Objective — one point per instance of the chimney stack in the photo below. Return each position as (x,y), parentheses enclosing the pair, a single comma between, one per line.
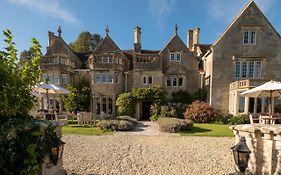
(137,39)
(51,36)
(193,38)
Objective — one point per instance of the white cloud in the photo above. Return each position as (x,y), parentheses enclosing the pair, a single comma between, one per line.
(160,10)
(226,11)
(50,8)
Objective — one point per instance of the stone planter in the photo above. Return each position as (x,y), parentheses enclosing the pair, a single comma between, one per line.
(264,141)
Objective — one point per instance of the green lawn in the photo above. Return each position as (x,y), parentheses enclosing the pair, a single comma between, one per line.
(83,130)
(211,130)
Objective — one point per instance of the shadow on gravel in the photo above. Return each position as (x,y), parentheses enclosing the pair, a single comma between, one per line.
(139,127)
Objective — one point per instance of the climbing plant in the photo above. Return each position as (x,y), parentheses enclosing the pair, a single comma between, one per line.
(126,102)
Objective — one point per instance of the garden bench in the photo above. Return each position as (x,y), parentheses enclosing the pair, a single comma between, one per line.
(86,118)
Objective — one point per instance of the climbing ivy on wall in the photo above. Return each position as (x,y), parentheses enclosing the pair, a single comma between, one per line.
(126,102)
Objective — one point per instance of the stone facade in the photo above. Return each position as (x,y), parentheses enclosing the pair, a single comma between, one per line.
(244,56)
(112,71)
(247,54)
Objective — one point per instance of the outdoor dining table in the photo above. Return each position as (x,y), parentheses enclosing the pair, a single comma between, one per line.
(268,119)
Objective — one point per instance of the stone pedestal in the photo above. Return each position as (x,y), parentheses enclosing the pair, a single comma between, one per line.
(47,166)
(264,141)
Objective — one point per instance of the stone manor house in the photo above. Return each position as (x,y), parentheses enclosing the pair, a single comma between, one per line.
(247,54)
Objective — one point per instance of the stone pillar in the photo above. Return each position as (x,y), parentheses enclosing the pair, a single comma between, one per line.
(273,105)
(100,105)
(262,104)
(113,105)
(107,105)
(255,105)
(246,106)
(236,110)
(94,105)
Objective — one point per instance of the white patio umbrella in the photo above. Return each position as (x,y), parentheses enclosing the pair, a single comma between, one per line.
(50,89)
(269,89)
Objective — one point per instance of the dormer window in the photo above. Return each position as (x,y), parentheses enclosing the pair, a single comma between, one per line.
(175,56)
(249,37)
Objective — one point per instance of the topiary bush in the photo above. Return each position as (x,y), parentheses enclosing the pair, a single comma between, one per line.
(174,125)
(201,112)
(115,125)
(128,118)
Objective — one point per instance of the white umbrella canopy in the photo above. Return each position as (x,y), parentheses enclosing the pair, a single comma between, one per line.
(47,88)
(268,89)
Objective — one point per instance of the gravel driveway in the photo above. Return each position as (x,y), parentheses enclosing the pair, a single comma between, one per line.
(133,154)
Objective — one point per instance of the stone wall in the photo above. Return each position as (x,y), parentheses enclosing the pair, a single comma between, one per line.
(264,141)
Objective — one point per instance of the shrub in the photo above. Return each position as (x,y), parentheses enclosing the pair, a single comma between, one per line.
(126,102)
(201,112)
(238,120)
(174,125)
(128,118)
(161,111)
(116,125)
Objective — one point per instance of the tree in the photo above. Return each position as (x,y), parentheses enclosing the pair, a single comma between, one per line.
(79,98)
(26,56)
(16,81)
(86,42)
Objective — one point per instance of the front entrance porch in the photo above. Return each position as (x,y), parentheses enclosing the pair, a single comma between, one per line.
(143,110)
(244,105)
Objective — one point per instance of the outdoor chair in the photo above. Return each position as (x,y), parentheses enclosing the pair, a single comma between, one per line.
(62,117)
(255,118)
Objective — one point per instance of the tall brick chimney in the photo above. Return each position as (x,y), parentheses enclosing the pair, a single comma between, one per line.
(51,36)
(193,38)
(137,39)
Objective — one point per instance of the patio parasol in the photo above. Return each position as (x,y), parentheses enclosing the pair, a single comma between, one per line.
(269,89)
(47,89)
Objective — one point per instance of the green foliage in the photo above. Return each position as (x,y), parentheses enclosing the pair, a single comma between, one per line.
(238,120)
(157,111)
(201,112)
(24,142)
(128,118)
(126,102)
(116,125)
(182,97)
(16,81)
(79,98)
(200,95)
(174,124)
(86,42)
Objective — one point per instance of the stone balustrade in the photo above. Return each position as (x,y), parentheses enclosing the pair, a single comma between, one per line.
(264,141)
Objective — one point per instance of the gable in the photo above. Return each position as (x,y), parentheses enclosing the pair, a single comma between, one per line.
(175,44)
(59,47)
(107,45)
(250,16)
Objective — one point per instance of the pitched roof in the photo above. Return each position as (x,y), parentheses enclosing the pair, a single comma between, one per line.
(172,46)
(83,58)
(250,4)
(107,45)
(59,46)
(204,48)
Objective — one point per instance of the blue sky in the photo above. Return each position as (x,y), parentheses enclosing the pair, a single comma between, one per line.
(34,18)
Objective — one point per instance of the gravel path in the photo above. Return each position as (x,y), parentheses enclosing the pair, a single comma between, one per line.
(137,154)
